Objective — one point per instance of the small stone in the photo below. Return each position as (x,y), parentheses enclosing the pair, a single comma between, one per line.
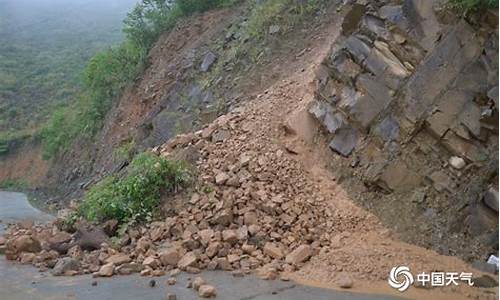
(106,270)
(491,199)
(146,272)
(221,178)
(171,297)
(273,29)
(299,255)
(250,218)
(197,282)
(273,251)
(230,236)
(171,281)
(344,281)
(193,270)
(118,259)
(267,273)
(457,162)
(158,273)
(207,291)
(64,265)
(284,277)
(175,272)
(237,273)
(151,262)
(94,283)
(152,283)
(208,61)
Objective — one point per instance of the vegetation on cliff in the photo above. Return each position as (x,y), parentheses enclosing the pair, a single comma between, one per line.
(136,195)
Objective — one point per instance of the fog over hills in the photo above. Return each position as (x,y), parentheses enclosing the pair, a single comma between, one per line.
(44,46)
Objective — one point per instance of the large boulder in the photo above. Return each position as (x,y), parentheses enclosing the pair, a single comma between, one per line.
(23,243)
(90,237)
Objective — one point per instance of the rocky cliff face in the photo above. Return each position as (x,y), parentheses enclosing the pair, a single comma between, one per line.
(409,98)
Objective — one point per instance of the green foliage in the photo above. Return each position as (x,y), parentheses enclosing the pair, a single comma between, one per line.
(57,132)
(135,195)
(148,20)
(13,184)
(283,13)
(8,138)
(471,6)
(44,47)
(125,151)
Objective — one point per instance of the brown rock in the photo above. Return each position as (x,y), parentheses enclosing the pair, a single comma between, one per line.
(248,249)
(110,226)
(171,281)
(151,262)
(143,244)
(27,258)
(118,259)
(267,273)
(193,270)
(250,218)
(207,291)
(224,217)
(23,243)
(197,282)
(170,257)
(171,297)
(273,251)
(223,264)
(129,268)
(158,273)
(106,270)
(89,237)
(230,236)
(75,252)
(221,178)
(344,281)
(212,249)
(206,236)
(299,255)
(188,260)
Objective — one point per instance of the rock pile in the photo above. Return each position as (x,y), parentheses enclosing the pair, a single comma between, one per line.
(252,208)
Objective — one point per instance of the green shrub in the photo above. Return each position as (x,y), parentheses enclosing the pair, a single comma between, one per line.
(284,13)
(134,196)
(13,184)
(469,6)
(125,151)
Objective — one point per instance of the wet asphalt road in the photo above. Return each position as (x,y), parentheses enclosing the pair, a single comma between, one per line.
(18,282)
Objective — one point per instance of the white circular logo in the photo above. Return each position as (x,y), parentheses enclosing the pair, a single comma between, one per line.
(400,278)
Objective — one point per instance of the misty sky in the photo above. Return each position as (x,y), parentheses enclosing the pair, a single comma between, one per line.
(21,16)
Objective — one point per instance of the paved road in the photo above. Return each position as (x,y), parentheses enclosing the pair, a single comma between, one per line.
(18,282)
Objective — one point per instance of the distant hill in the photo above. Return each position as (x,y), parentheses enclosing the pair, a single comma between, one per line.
(44,46)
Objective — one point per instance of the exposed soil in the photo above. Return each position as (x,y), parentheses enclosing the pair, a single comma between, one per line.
(25,165)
